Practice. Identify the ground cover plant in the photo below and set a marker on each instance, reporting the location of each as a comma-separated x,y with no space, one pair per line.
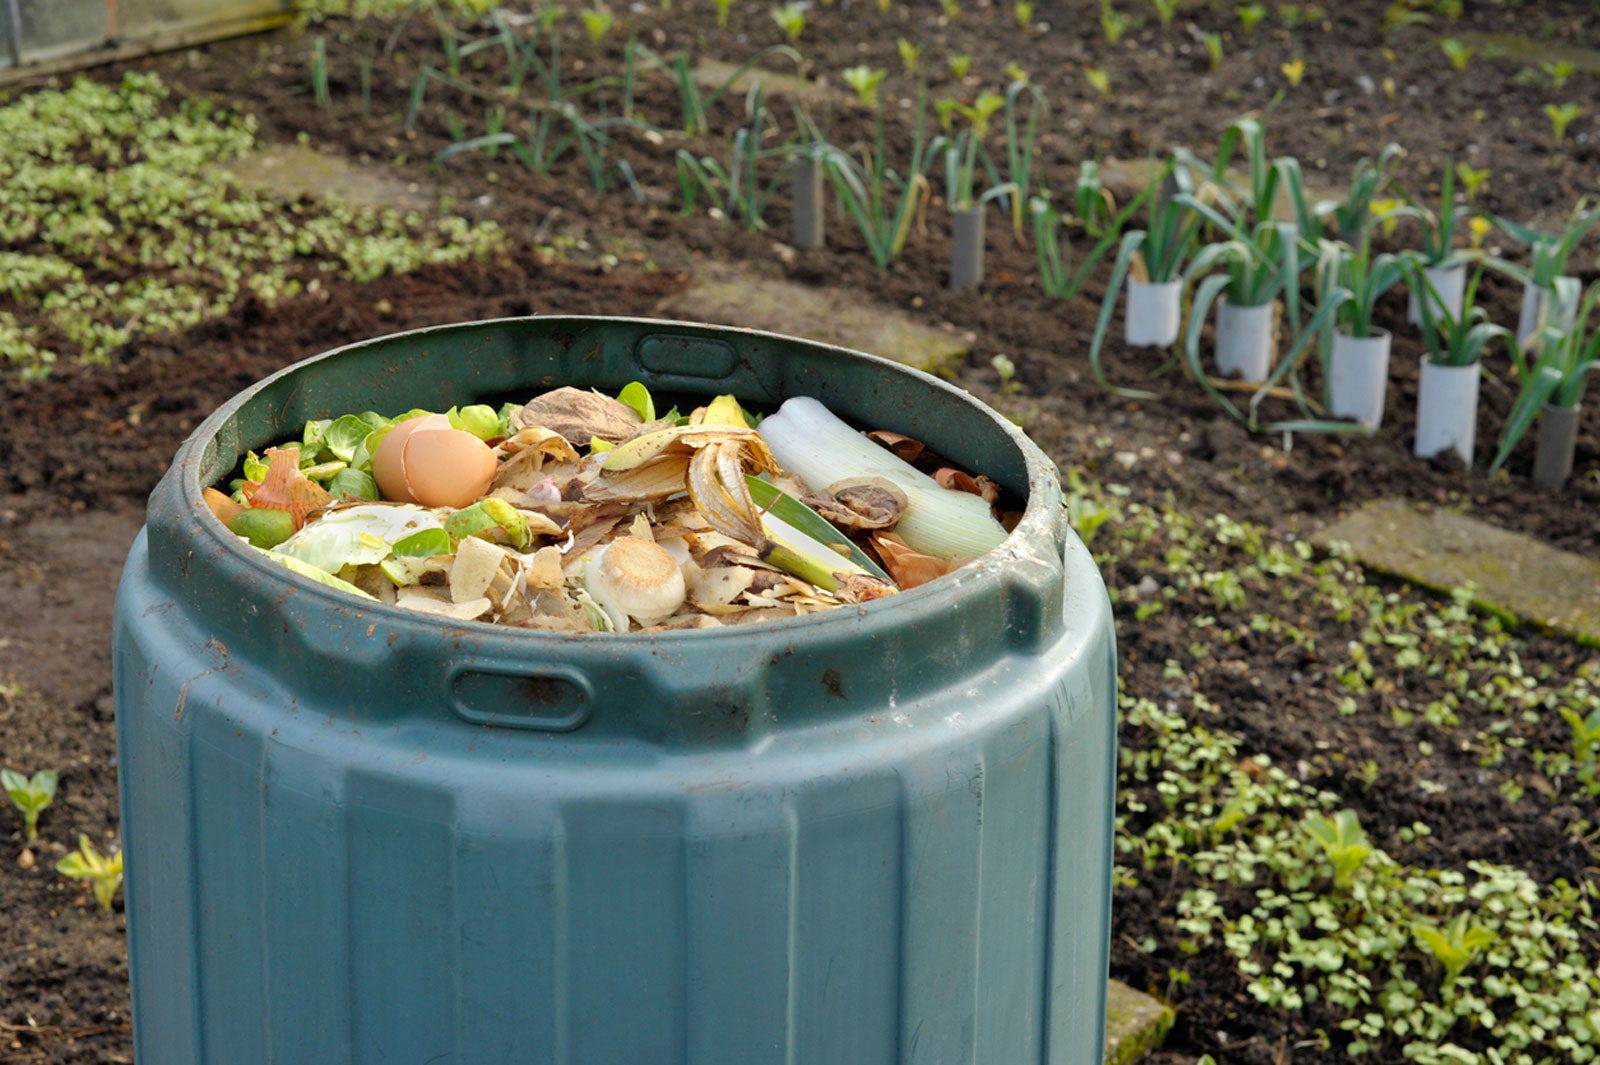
1354,816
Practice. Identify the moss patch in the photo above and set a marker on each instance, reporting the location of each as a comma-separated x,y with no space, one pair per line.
1136,1024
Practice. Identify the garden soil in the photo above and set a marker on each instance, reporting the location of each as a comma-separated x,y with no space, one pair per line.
80,451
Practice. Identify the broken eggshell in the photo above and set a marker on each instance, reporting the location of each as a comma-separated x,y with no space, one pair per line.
424,460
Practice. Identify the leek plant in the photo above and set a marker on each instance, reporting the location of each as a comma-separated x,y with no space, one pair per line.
1549,252
1438,228
1568,353
1454,340
1261,263
879,200
696,106
1054,254
1352,216
1365,276
736,189
1021,96
1156,254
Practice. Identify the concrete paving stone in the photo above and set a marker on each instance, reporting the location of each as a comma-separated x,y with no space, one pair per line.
1506,572
1136,1023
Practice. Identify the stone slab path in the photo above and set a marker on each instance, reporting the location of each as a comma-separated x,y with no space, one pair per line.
1507,572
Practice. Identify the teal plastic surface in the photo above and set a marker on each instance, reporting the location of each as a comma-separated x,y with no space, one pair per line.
873,835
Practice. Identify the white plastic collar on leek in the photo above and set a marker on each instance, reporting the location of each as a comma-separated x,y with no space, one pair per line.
809,441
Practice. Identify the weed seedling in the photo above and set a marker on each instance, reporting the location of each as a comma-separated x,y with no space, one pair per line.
1472,179
910,55
1343,840
1213,46
1099,79
598,21
1294,70
86,863
1024,14
960,64
1561,116
1250,15
31,796
1558,73
1460,55
791,19
1453,946
865,81
1112,23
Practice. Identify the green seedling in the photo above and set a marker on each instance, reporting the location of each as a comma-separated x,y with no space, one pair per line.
1112,23
951,8
910,55
1558,73
791,19
960,64
1561,116
1099,79
1472,179
723,7
1165,9
1455,945
1342,840
1006,371
31,796
1213,46
865,81
962,154
103,871
1023,11
598,21
1250,16
1585,734
1293,71
885,5
1459,54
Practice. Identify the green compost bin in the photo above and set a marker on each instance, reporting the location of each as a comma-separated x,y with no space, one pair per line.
872,835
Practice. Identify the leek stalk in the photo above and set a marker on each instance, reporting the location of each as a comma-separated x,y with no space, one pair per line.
811,442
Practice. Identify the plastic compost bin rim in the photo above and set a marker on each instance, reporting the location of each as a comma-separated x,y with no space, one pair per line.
1044,516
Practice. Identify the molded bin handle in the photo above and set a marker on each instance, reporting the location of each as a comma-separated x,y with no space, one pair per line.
545,697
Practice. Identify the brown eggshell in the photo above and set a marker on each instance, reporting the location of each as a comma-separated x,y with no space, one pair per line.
387,466
447,467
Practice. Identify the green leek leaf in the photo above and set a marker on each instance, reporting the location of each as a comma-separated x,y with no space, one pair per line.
787,508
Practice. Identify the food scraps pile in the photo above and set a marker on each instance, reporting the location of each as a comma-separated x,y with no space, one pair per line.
580,512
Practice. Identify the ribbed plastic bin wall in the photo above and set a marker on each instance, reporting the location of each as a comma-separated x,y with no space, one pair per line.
874,835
